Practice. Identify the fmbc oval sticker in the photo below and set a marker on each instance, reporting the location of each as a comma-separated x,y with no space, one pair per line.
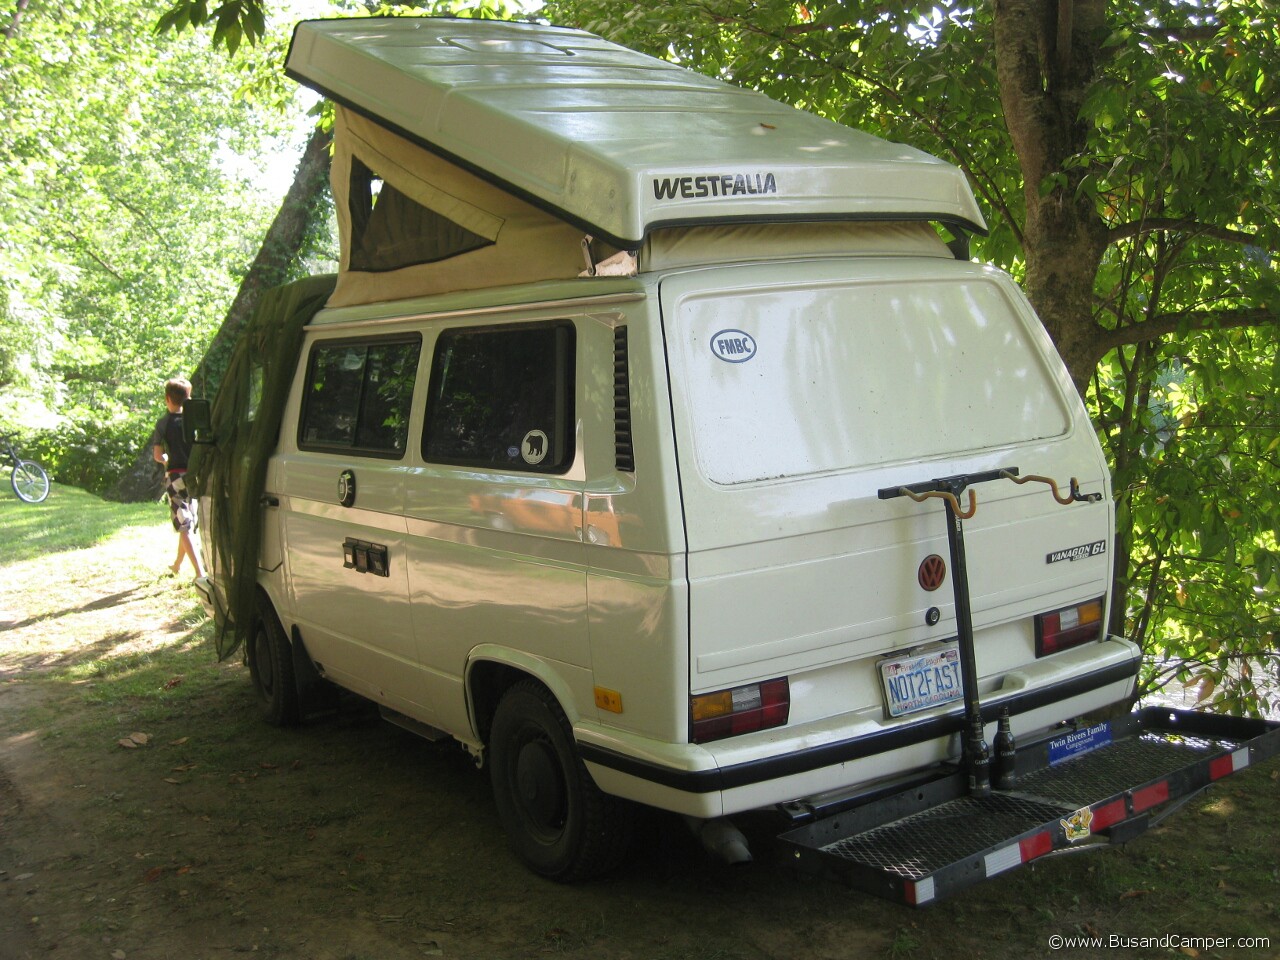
733,346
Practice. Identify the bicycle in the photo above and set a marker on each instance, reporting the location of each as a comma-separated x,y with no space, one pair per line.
29,480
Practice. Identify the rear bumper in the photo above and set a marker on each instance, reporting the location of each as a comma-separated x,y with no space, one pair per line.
779,767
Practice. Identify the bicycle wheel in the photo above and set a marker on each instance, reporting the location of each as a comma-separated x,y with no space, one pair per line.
29,480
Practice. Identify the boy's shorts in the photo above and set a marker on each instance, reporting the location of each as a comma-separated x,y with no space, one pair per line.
182,509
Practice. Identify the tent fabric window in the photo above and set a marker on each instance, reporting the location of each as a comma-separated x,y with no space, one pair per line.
390,230
521,243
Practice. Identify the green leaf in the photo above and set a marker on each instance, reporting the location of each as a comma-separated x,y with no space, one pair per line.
1215,537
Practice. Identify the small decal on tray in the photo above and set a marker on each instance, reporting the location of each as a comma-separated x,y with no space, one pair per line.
1079,825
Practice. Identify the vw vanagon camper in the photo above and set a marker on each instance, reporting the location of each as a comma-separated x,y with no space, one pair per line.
660,444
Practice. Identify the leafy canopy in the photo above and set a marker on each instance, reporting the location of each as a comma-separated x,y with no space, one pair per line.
128,208
1149,132
1126,155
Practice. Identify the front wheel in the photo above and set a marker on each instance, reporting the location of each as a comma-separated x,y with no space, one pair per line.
270,659
558,820
30,482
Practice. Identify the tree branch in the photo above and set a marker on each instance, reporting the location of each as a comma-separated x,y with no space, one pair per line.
1186,34
15,22
138,214
1164,324
1177,225
87,248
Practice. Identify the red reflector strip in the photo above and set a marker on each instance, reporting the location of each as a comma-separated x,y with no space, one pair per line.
1036,846
1109,814
1151,796
1231,763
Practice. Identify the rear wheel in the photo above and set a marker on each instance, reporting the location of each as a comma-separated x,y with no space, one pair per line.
270,659
558,820
30,482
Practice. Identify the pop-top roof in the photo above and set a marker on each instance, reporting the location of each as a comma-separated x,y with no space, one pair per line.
610,140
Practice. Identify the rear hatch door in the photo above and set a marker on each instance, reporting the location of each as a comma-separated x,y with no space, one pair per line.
799,390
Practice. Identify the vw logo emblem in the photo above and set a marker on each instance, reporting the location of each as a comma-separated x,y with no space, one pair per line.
932,572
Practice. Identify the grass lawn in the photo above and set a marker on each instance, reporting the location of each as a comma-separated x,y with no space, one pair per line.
147,812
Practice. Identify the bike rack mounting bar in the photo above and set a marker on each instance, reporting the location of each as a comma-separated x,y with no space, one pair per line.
977,755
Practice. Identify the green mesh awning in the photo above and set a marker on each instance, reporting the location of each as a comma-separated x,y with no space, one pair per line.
229,474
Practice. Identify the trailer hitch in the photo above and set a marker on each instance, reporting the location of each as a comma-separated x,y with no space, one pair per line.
976,753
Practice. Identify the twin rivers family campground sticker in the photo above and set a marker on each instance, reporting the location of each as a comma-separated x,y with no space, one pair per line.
1078,826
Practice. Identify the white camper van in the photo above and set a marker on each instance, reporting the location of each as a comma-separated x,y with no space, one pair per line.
660,444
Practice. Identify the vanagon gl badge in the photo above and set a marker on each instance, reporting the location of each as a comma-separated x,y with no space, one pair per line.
733,346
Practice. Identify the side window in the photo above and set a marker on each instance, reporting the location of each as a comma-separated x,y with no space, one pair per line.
357,396
502,398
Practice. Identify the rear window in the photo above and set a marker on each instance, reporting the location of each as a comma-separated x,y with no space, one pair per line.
793,381
502,398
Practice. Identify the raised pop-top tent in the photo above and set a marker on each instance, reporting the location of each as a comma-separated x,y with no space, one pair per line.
480,152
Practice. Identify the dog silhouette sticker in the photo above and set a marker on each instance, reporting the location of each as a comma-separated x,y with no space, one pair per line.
534,447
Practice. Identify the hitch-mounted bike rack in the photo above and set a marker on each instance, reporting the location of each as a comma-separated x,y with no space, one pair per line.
977,756
1076,787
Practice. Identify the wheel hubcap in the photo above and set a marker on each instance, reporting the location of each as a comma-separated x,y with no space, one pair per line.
540,785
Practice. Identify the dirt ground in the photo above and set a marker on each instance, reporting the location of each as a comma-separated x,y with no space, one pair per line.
208,834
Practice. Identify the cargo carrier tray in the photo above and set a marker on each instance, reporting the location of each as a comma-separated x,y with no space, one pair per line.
1105,783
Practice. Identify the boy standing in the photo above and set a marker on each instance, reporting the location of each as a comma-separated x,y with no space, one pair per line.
170,448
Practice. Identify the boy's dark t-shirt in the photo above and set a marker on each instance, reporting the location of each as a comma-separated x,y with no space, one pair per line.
168,434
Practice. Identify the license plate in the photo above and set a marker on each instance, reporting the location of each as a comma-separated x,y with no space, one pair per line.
919,681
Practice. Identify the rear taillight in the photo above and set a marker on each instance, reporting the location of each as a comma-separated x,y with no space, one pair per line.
727,713
1068,627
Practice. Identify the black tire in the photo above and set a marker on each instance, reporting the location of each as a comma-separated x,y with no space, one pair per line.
270,659
30,482
558,821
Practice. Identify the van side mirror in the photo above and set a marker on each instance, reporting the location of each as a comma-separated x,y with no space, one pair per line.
197,422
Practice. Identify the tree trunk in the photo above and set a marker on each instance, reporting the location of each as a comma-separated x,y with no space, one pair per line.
271,267
1047,55
279,251
15,23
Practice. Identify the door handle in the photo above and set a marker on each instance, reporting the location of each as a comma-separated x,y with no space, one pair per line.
268,500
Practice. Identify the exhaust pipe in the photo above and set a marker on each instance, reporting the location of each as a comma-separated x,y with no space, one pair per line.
721,839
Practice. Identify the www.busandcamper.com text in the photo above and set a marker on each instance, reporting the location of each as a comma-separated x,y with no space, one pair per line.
1169,941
